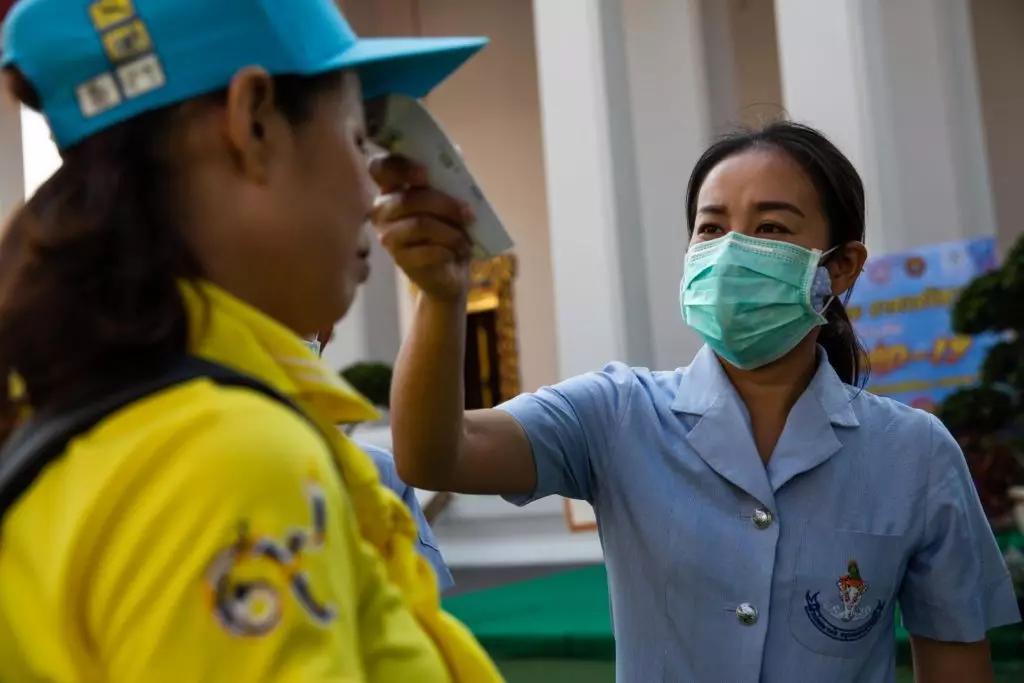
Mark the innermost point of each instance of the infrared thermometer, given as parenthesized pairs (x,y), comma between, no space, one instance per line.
(402,125)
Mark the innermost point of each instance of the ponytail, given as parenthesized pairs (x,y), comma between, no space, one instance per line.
(838,338)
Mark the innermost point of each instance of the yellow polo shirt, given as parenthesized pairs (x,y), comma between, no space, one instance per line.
(204,535)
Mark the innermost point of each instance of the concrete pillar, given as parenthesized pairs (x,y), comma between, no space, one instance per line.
(998,30)
(624,115)
(895,85)
(671,117)
(39,157)
(12,171)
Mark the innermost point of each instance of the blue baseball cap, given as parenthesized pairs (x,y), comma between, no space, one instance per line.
(96,64)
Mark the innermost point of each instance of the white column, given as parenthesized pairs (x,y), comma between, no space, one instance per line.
(623,109)
(12,171)
(671,116)
(586,188)
(895,85)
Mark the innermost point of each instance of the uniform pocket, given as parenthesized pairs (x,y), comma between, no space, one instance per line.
(843,591)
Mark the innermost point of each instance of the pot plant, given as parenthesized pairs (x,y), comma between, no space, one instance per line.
(988,419)
(373,381)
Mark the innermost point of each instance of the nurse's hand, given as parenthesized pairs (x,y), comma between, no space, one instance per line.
(424,230)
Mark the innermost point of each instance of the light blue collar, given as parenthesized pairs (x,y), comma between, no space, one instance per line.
(723,438)
(704,381)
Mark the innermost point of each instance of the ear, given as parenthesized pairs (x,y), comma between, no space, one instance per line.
(253,124)
(845,266)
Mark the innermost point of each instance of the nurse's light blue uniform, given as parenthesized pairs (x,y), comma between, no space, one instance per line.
(722,570)
(427,545)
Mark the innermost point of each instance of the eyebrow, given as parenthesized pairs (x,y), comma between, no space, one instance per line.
(762,207)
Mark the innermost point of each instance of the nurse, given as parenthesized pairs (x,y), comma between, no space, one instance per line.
(211,203)
(761,515)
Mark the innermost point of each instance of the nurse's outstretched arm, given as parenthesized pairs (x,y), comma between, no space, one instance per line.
(539,444)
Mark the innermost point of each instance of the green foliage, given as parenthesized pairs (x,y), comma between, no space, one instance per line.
(977,410)
(1003,365)
(979,307)
(372,380)
(993,302)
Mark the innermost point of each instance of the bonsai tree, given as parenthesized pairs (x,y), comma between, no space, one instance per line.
(988,419)
(372,380)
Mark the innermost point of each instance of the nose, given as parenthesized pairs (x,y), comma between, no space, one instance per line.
(368,190)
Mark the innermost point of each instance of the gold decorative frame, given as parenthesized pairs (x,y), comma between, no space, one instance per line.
(490,288)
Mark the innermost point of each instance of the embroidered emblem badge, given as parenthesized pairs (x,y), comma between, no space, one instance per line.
(832,617)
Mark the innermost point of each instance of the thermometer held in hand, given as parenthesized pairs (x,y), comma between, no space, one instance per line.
(402,125)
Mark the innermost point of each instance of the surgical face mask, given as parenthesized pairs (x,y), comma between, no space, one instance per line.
(313,344)
(753,300)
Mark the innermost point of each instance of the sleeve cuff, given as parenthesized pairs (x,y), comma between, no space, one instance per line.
(995,607)
(526,411)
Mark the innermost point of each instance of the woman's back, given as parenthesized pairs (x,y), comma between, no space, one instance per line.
(204,534)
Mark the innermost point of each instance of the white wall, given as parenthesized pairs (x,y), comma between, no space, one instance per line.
(999,44)
(40,155)
(895,86)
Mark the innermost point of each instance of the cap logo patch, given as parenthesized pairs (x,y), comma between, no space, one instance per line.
(98,95)
(127,43)
(107,13)
(141,76)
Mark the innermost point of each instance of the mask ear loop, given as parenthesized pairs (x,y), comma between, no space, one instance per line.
(314,345)
(822,260)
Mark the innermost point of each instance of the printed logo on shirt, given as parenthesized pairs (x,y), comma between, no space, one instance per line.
(845,619)
(248,605)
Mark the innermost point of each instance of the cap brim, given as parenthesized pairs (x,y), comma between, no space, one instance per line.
(405,66)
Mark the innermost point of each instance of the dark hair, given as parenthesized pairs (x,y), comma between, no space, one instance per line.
(841,194)
(90,265)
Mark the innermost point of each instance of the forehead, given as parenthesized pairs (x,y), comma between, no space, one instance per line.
(758,175)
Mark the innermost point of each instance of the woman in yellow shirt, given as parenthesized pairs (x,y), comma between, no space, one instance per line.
(210,205)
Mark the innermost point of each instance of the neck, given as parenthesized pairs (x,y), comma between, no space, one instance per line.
(776,387)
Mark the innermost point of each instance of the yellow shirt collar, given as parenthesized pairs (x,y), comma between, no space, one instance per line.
(229,331)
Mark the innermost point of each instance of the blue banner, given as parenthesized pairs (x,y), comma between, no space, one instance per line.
(901,307)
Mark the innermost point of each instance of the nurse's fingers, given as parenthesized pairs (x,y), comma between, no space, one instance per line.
(427,257)
(395,206)
(423,230)
(393,172)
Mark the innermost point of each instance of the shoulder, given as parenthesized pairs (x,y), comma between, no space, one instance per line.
(894,434)
(225,440)
(602,398)
(885,416)
(617,381)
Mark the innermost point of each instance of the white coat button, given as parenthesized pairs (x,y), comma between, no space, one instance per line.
(762,519)
(746,613)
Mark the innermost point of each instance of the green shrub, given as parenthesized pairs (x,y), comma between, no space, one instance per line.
(992,303)
(372,380)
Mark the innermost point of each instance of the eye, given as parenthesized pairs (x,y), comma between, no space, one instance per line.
(709,229)
(773,228)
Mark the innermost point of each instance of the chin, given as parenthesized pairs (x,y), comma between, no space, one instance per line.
(343,303)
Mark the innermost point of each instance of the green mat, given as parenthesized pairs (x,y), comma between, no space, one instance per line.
(566,616)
